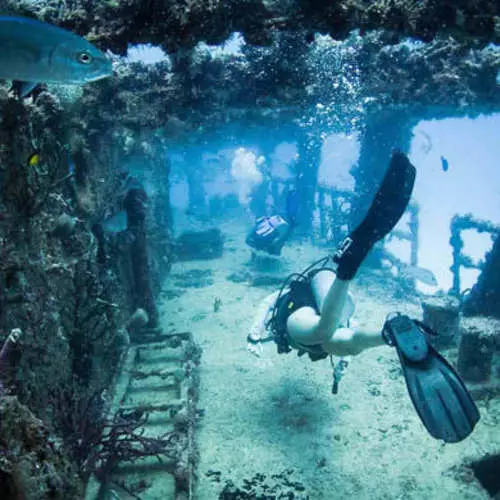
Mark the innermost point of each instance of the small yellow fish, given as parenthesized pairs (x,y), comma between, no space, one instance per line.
(34,160)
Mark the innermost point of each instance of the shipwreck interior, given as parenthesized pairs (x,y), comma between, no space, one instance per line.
(95,364)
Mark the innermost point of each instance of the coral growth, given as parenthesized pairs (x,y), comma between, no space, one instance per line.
(97,443)
(69,160)
(178,25)
(63,282)
(32,465)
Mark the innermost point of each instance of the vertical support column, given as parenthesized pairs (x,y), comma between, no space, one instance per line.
(259,196)
(135,204)
(322,213)
(309,147)
(275,190)
(258,201)
(194,177)
(457,245)
(337,217)
(383,132)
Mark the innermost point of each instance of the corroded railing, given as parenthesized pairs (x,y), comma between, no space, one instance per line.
(333,206)
(458,224)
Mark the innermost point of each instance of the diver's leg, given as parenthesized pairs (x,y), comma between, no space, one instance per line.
(333,306)
(308,328)
(282,234)
(303,329)
(387,207)
(349,342)
(302,326)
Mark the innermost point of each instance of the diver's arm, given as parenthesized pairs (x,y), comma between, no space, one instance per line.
(262,316)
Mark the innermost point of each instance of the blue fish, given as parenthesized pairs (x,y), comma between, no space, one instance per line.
(444,164)
(32,51)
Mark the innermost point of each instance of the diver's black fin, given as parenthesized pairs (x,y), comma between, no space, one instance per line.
(391,199)
(386,209)
(440,397)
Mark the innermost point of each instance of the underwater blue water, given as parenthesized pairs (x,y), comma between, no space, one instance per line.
(280,410)
(470,185)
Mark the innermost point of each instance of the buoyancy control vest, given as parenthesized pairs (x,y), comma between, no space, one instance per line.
(298,295)
(307,289)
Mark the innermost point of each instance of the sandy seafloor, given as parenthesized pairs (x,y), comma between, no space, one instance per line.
(273,420)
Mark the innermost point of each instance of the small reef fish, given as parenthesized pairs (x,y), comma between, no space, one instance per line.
(444,164)
(34,159)
(32,51)
(425,276)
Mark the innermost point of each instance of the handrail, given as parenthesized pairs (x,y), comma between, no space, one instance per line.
(458,224)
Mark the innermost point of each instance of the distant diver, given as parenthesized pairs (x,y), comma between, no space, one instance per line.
(312,310)
(33,52)
(444,164)
(270,233)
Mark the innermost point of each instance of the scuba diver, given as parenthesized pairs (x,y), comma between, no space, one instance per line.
(270,233)
(312,310)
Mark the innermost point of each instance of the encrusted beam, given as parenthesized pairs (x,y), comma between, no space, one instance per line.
(174,25)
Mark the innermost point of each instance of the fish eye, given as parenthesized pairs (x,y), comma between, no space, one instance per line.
(85,58)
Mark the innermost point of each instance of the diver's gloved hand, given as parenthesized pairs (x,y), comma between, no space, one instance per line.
(254,347)
(386,209)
